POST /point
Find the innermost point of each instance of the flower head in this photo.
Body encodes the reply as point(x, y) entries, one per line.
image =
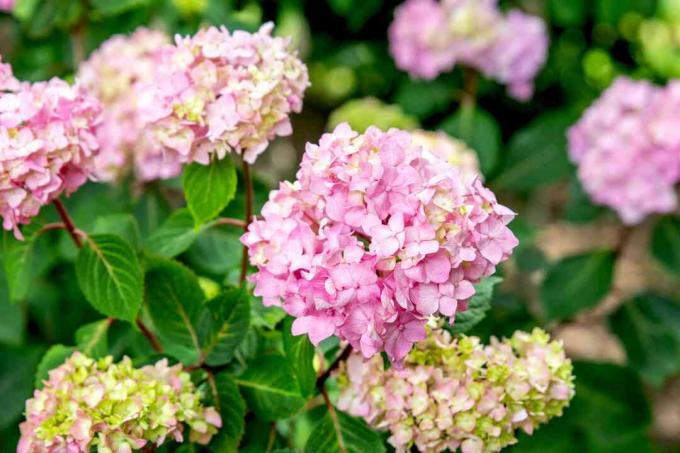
point(7, 5)
point(457, 393)
point(218, 92)
point(47, 144)
point(113, 73)
point(627, 148)
point(115, 407)
point(375, 236)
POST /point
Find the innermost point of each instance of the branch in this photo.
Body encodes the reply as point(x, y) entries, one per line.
point(248, 183)
point(334, 418)
point(68, 222)
point(153, 341)
point(321, 380)
point(229, 221)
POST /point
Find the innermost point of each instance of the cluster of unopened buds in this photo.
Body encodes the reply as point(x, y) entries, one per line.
point(430, 37)
point(627, 148)
point(48, 144)
point(457, 393)
point(376, 235)
point(114, 407)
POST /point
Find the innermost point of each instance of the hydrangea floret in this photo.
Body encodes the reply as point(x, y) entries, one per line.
point(114, 407)
point(48, 143)
point(373, 237)
point(456, 393)
point(447, 148)
point(429, 37)
point(218, 92)
point(112, 73)
point(627, 149)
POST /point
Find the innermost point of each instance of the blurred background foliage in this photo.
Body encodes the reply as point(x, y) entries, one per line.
point(615, 304)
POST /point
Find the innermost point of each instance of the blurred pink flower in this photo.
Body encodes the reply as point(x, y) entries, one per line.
point(7, 5)
point(375, 235)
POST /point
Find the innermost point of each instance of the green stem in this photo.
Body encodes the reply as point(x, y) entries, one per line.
point(248, 185)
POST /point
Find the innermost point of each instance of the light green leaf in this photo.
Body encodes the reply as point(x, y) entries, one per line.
point(577, 283)
point(54, 357)
point(477, 307)
point(175, 235)
point(537, 154)
point(209, 188)
point(300, 353)
point(232, 409)
point(110, 276)
point(270, 388)
point(175, 302)
point(480, 131)
point(107, 8)
point(225, 325)
point(666, 243)
point(343, 434)
point(649, 327)
point(92, 340)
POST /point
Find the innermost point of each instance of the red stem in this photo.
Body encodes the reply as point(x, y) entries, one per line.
point(248, 184)
point(68, 222)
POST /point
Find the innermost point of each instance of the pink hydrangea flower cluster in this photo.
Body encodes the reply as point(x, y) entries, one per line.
point(218, 92)
point(89, 403)
point(627, 148)
point(375, 236)
point(429, 37)
point(112, 73)
point(6, 5)
point(458, 393)
point(47, 141)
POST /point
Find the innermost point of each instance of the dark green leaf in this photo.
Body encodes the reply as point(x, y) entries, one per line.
point(21, 261)
point(122, 225)
point(577, 283)
point(666, 243)
point(92, 340)
point(225, 325)
point(232, 409)
point(649, 327)
point(300, 353)
point(579, 208)
point(479, 131)
point(568, 14)
point(424, 98)
point(107, 8)
point(175, 302)
point(537, 154)
point(17, 369)
point(478, 305)
point(357, 12)
point(110, 276)
point(270, 388)
point(54, 357)
point(344, 434)
point(174, 236)
point(209, 188)
point(217, 251)
point(12, 322)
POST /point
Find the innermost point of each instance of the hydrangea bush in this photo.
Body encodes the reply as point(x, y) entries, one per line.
point(209, 247)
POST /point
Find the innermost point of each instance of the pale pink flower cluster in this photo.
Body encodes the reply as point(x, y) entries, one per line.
point(429, 37)
point(627, 148)
point(218, 92)
point(7, 5)
point(113, 73)
point(374, 237)
point(115, 407)
point(47, 144)
point(447, 148)
point(457, 393)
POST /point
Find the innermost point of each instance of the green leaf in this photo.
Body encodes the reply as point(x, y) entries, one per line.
point(478, 305)
point(579, 208)
point(122, 225)
point(568, 14)
point(92, 340)
point(537, 154)
point(577, 283)
point(21, 261)
point(12, 318)
point(54, 357)
point(479, 130)
point(41, 16)
point(175, 302)
point(225, 325)
point(424, 98)
point(175, 235)
point(232, 409)
point(357, 12)
point(17, 368)
point(270, 388)
point(209, 188)
point(110, 276)
point(107, 8)
point(267, 317)
point(300, 353)
point(343, 434)
point(666, 243)
point(649, 327)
